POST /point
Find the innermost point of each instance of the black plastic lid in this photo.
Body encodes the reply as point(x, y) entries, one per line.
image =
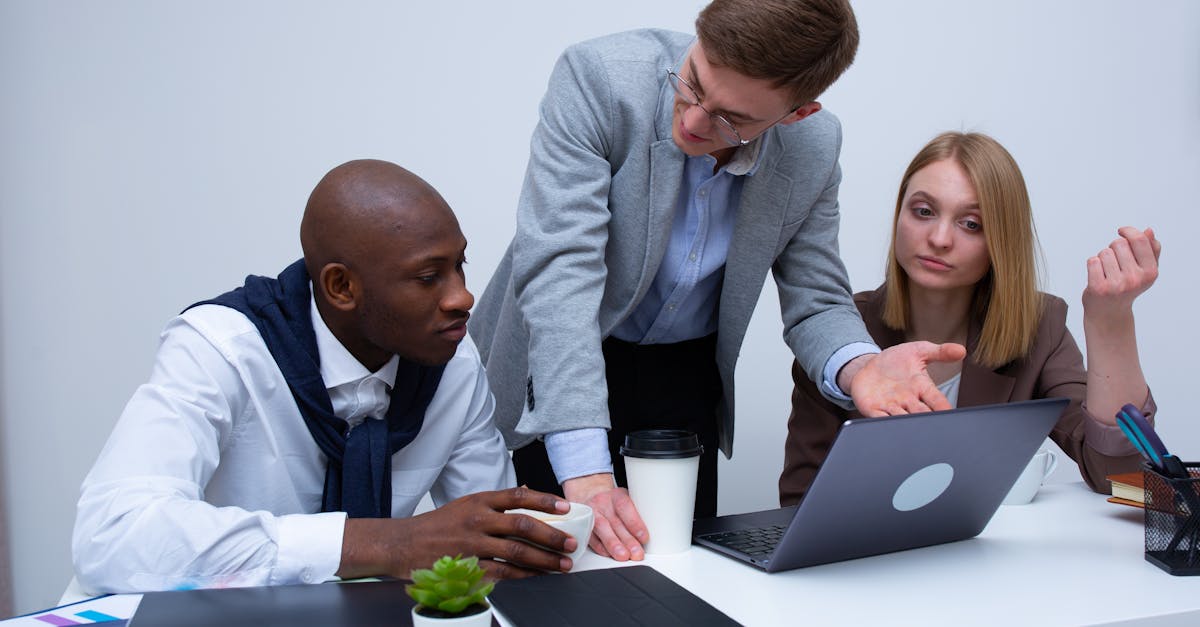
point(662, 444)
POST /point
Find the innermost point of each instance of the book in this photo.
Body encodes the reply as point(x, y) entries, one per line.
point(1128, 488)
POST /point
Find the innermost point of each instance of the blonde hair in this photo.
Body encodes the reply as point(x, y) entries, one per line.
point(1007, 297)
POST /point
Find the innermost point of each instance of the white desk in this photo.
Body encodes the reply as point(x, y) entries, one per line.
point(1069, 558)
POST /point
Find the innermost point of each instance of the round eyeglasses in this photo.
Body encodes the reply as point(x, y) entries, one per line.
point(724, 127)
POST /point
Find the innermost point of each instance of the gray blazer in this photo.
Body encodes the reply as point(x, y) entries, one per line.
point(593, 222)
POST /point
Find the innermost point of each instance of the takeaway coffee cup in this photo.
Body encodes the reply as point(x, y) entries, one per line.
point(661, 466)
point(1031, 478)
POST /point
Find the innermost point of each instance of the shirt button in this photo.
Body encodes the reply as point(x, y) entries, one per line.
point(692, 257)
point(306, 575)
point(703, 193)
point(671, 307)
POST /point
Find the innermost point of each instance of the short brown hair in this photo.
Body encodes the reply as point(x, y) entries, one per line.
point(799, 45)
point(1007, 298)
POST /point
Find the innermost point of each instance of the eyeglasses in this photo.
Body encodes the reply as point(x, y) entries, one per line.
point(725, 128)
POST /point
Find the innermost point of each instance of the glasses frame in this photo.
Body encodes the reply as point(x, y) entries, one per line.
point(722, 124)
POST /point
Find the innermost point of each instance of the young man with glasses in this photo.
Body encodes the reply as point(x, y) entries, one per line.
point(667, 175)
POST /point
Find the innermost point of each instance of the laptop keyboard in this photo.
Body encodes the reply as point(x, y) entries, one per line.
point(755, 542)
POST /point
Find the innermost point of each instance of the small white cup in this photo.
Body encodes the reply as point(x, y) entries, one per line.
point(577, 522)
point(1027, 485)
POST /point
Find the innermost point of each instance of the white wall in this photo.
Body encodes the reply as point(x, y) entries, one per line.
point(152, 154)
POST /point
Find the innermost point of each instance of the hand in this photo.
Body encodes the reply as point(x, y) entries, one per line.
point(619, 532)
point(1119, 273)
point(897, 380)
point(472, 525)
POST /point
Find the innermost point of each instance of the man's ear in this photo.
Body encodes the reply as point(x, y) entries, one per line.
point(338, 287)
point(801, 112)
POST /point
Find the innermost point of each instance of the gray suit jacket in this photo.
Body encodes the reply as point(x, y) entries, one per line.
point(593, 221)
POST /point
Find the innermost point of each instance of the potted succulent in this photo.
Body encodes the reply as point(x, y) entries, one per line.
point(452, 592)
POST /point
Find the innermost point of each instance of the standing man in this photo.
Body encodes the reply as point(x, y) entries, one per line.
point(667, 175)
point(291, 426)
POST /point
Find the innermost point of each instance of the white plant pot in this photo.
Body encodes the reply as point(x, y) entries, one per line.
point(482, 619)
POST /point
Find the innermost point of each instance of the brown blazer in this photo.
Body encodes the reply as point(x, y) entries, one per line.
point(1054, 367)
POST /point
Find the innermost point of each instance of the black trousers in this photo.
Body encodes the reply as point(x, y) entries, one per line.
point(655, 386)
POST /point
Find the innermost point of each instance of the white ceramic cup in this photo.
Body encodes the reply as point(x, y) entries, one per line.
point(1027, 485)
point(661, 467)
point(577, 522)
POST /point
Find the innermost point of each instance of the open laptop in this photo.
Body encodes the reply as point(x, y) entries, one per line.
point(891, 484)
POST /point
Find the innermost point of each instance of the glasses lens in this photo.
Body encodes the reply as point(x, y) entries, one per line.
point(683, 89)
point(726, 130)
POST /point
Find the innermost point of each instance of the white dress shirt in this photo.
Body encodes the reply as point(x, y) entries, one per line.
point(211, 478)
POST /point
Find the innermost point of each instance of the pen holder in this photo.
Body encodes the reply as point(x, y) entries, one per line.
point(1173, 520)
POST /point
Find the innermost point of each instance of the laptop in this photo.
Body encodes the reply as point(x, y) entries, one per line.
point(891, 484)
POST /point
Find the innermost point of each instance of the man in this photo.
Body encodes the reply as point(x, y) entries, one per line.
point(667, 174)
point(291, 426)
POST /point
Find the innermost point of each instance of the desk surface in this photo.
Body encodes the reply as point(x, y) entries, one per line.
point(1069, 558)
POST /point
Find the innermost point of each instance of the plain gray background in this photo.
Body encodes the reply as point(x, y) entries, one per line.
point(152, 154)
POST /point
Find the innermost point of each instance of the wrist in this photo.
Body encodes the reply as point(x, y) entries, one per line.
point(580, 489)
point(846, 375)
point(367, 551)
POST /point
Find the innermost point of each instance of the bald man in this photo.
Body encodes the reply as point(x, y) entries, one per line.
point(291, 426)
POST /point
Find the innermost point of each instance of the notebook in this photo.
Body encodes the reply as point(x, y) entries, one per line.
point(891, 484)
point(352, 604)
point(631, 595)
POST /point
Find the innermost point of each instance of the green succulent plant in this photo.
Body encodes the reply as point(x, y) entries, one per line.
point(451, 586)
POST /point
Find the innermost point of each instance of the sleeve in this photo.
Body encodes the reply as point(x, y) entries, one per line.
point(819, 316)
point(142, 523)
point(1097, 448)
point(812, 427)
point(479, 460)
point(559, 270)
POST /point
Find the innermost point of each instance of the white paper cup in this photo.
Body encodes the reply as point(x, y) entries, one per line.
point(577, 522)
point(661, 467)
point(1030, 481)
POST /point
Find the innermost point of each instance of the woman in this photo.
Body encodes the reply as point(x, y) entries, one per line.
point(961, 269)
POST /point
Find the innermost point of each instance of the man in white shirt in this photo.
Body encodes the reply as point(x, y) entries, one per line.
point(290, 427)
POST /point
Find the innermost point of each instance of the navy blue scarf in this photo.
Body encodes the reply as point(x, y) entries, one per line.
point(358, 478)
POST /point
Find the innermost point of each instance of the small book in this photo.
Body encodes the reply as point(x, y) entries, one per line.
point(1128, 488)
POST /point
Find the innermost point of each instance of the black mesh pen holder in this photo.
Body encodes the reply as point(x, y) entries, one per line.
point(1173, 520)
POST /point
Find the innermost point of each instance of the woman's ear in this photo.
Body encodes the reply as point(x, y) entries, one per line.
point(338, 287)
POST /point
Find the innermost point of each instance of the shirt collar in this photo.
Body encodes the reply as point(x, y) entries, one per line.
point(746, 158)
point(338, 366)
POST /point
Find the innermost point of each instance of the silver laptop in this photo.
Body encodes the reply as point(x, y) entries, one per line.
point(891, 484)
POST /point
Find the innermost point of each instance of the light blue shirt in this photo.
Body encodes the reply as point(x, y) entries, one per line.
point(683, 299)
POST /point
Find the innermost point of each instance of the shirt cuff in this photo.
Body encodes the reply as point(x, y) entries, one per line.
point(310, 547)
point(841, 357)
point(578, 453)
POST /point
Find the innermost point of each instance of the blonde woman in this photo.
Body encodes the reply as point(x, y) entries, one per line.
point(961, 269)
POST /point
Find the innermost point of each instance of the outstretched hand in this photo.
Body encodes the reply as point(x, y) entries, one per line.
point(472, 525)
point(896, 381)
point(619, 532)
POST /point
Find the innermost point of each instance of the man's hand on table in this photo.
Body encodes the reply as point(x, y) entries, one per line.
point(472, 525)
point(619, 532)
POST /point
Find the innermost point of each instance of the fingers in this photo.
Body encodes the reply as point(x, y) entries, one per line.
point(523, 497)
point(529, 528)
point(504, 570)
point(950, 351)
point(613, 510)
point(630, 517)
